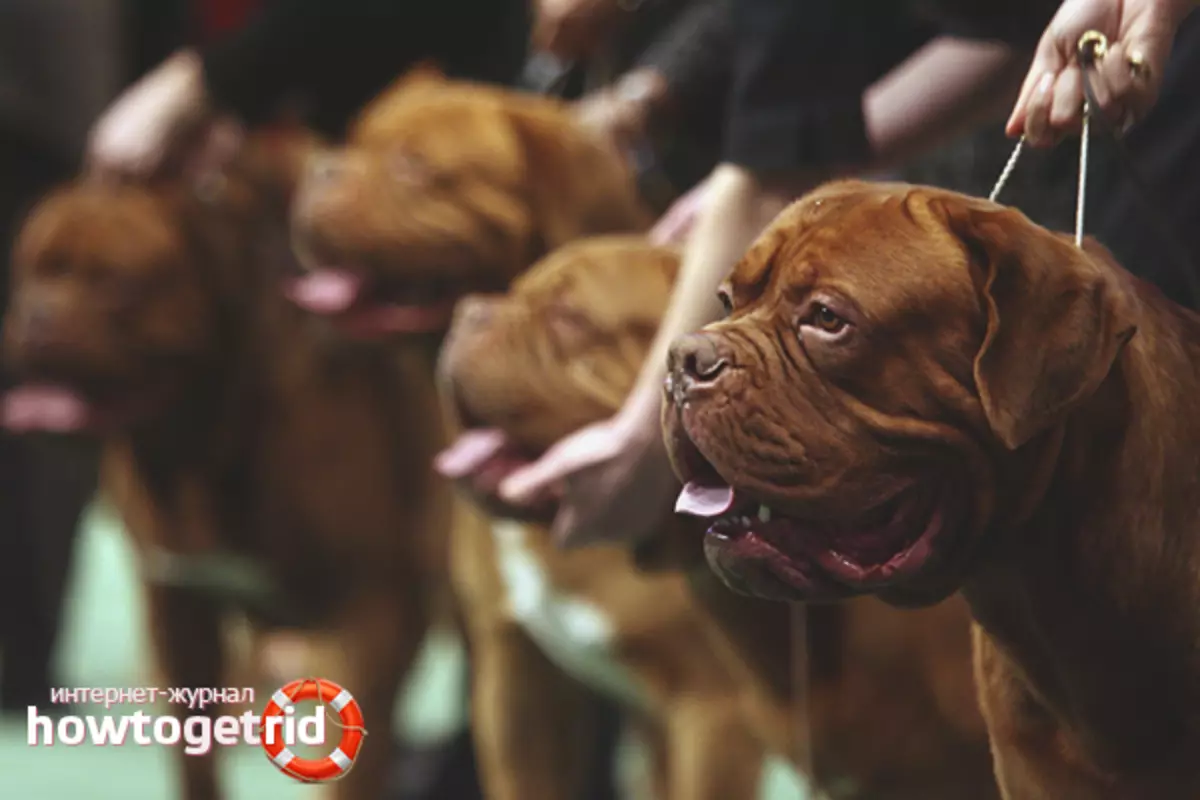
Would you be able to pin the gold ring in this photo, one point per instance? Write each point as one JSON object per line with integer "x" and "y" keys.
{"x": 1093, "y": 46}
{"x": 1138, "y": 66}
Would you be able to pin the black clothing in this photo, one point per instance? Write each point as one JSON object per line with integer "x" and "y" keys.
{"x": 799, "y": 72}
{"x": 332, "y": 56}
{"x": 800, "y": 68}
{"x": 44, "y": 484}
{"x": 693, "y": 55}
{"x": 1165, "y": 152}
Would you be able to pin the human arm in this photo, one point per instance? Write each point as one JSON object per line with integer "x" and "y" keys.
{"x": 332, "y": 55}
{"x": 901, "y": 118}
{"x": 891, "y": 94}
{"x": 575, "y": 30}
{"x": 694, "y": 58}
{"x": 679, "y": 76}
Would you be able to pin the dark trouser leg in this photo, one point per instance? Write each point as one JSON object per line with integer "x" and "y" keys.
{"x": 44, "y": 486}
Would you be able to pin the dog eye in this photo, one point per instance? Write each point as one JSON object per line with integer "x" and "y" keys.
{"x": 568, "y": 322}
{"x": 726, "y": 301}
{"x": 409, "y": 167}
{"x": 53, "y": 267}
{"x": 826, "y": 319}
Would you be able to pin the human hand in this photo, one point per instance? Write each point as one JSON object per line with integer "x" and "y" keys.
{"x": 620, "y": 114}
{"x": 574, "y": 30}
{"x": 1126, "y": 80}
{"x": 153, "y": 120}
{"x": 612, "y": 477}
{"x": 612, "y": 119}
{"x": 674, "y": 226}
{"x": 478, "y": 461}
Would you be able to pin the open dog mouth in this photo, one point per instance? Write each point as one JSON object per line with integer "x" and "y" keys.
{"x": 760, "y": 550}
{"x": 486, "y": 454}
{"x": 47, "y": 407}
{"x": 375, "y": 306}
{"x": 62, "y": 408}
{"x": 482, "y": 458}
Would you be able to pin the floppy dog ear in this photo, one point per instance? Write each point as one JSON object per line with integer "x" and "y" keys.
{"x": 1056, "y": 318}
{"x": 377, "y": 121}
{"x": 425, "y": 71}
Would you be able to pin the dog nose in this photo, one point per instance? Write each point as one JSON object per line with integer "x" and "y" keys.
{"x": 696, "y": 358}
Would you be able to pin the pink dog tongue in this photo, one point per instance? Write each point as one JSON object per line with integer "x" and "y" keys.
{"x": 45, "y": 408}
{"x": 704, "y": 501}
{"x": 326, "y": 291}
{"x": 469, "y": 452}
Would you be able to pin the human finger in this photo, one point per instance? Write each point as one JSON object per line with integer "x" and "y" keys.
{"x": 1066, "y": 103}
{"x": 1048, "y": 59}
{"x": 1037, "y": 119}
{"x": 1130, "y": 82}
{"x": 563, "y": 459}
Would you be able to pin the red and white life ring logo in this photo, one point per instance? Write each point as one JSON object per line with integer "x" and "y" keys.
{"x": 274, "y": 726}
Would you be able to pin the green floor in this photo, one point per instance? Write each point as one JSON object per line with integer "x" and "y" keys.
{"x": 103, "y": 644}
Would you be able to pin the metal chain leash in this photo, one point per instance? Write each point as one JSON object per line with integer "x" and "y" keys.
{"x": 1092, "y": 48}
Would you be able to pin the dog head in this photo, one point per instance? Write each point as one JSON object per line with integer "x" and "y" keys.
{"x": 559, "y": 351}
{"x": 892, "y": 357}
{"x": 123, "y": 294}
{"x": 447, "y": 187}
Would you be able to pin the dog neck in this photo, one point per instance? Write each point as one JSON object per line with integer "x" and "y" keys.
{"x": 211, "y": 423}
{"x": 1091, "y": 607}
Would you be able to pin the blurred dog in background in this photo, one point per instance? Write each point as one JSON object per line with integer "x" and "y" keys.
{"x": 252, "y": 467}
{"x": 549, "y": 626}
{"x": 446, "y": 187}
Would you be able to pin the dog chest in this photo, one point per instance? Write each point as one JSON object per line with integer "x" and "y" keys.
{"x": 573, "y": 632}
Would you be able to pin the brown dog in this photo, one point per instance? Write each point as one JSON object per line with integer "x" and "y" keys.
{"x": 236, "y": 443}
{"x": 547, "y": 625}
{"x": 446, "y": 187}
{"x": 893, "y": 712}
{"x": 945, "y": 395}
{"x": 887, "y": 708}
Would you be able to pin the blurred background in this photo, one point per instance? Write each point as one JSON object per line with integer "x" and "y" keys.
{"x": 102, "y": 643}
{"x": 71, "y": 610}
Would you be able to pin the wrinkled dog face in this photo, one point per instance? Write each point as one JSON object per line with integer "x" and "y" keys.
{"x": 428, "y": 201}
{"x": 106, "y": 302}
{"x": 559, "y": 351}
{"x": 842, "y": 427}
{"x": 563, "y": 346}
